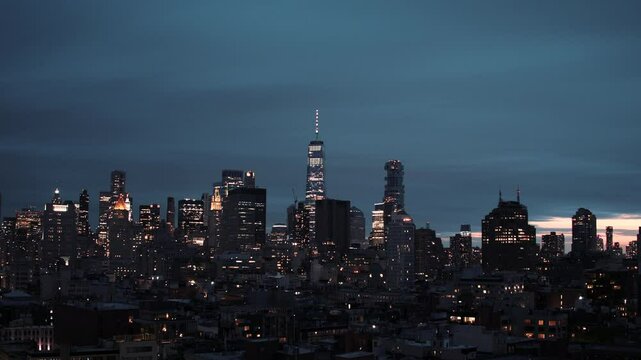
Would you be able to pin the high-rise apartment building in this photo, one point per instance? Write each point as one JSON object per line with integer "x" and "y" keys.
{"x": 584, "y": 237}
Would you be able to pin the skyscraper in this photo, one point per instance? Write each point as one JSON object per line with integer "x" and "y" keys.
{"x": 121, "y": 237}
{"x": 149, "y": 217}
{"x": 377, "y": 235}
{"x": 461, "y": 247}
{"x": 171, "y": 214}
{"x": 315, "y": 187}
{"x": 356, "y": 226}
{"x": 118, "y": 182}
{"x": 332, "y": 228}
{"x": 400, "y": 251}
{"x": 214, "y": 220}
{"x": 394, "y": 188}
{"x": 59, "y": 232}
{"x": 429, "y": 254}
{"x": 509, "y": 241}
{"x": 244, "y": 219}
{"x": 232, "y": 179}
{"x": 584, "y": 239}
{"x": 250, "y": 179}
{"x": 83, "y": 214}
{"x": 191, "y": 221}
{"x": 104, "y": 204}
{"x": 552, "y": 247}
{"x": 609, "y": 238}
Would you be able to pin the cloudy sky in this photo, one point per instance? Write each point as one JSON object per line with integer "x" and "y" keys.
{"x": 471, "y": 96}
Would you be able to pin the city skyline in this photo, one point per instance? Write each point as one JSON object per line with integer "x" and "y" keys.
{"x": 553, "y": 102}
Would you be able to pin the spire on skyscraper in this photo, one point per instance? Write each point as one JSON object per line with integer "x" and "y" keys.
{"x": 518, "y": 194}
{"x": 316, "y": 124}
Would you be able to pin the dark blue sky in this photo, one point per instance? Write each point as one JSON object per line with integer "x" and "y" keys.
{"x": 471, "y": 96}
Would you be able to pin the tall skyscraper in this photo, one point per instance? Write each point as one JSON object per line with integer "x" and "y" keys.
{"x": 191, "y": 221}
{"x": 214, "y": 220}
{"x": 429, "y": 254}
{"x": 171, "y": 214}
{"x": 301, "y": 232}
{"x": 83, "y": 214}
{"x": 278, "y": 235}
{"x": 394, "y": 188}
{"x": 315, "y": 187}
{"x": 121, "y": 237}
{"x": 104, "y": 204}
{"x": 232, "y": 179}
{"x": 149, "y": 217}
{"x": 377, "y": 236}
{"x": 552, "y": 247}
{"x": 509, "y": 241}
{"x": 356, "y": 226}
{"x": 332, "y": 229}
{"x": 609, "y": 238}
{"x": 584, "y": 239}
{"x": 400, "y": 251}
{"x": 244, "y": 219}
{"x": 59, "y": 233}
{"x": 8, "y": 236}
{"x": 461, "y": 247}
{"x": 118, "y": 182}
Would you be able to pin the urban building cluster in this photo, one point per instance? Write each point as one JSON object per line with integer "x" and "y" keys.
{"x": 204, "y": 278}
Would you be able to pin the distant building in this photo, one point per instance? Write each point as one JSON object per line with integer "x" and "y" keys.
{"x": 552, "y": 247}
{"x": 191, "y": 221}
{"x": 232, "y": 179}
{"x": 250, "y": 179}
{"x": 104, "y": 204}
{"x": 121, "y": 237}
{"x": 377, "y": 236}
{"x": 171, "y": 214}
{"x": 428, "y": 254}
{"x": 83, "y": 228}
{"x": 315, "y": 186}
{"x": 118, "y": 184}
{"x": 332, "y": 228}
{"x": 149, "y": 217}
{"x": 584, "y": 238}
{"x": 609, "y": 238}
{"x": 214, "y": 220}
{"x": 356, "y": 226}
{"x": 400, "y": 251}
{"x": 394, "y": 188}
{"x": 278, "y": 234}
{"x": 59, "y": 232}
{"x": 509, "y": 241}
{"x": 244, "y": 219}
{"x": 461, "y": 247}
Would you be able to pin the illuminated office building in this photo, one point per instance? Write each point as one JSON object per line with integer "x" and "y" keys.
{"x": 232, "y": 179}
{"x": 191, "y": 223}
{"x": 118, "y": 183}
{"x": 121, "y": 237}
{"x": 377, "y": 235}
{"x": 394, "y": 188}
{"x": 149, "y": 217}
{"x": 315, "y": 187}
{"x": 214, "y": 220}
{"x": 244, "y": 220}
{"x": 59, "y": 233}
{"x": 83, "y": 228}
{"x": 104, "y": 204}
{"x": 509, "y": 241}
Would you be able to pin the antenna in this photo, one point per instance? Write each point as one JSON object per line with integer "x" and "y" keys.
{"x": 295, "y": 198}
{"x": 500, "y": 196}
{"x": 316, "y": 124}
{"x": 518, "y": 194}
